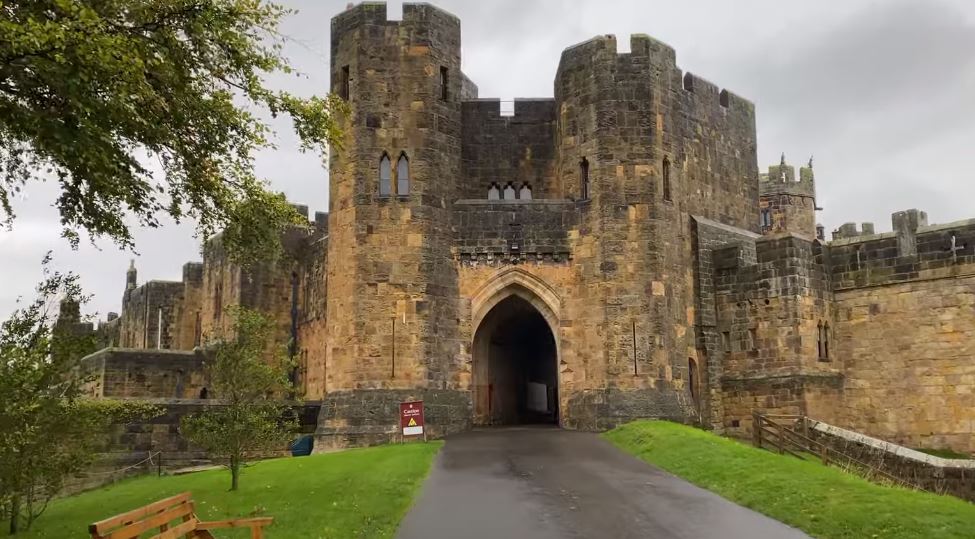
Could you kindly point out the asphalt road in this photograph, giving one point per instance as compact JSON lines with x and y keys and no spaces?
{"x":542,"y":483}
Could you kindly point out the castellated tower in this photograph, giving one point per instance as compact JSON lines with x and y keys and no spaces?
{"x":534,"y":267}
{"x":664,"y":151}
{"x":392,"y":286}
{"x":788,"y":204}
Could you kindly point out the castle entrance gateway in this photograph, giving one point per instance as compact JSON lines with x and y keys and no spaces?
{"x":515,"y":365}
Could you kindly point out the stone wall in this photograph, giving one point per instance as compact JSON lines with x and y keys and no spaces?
{"x":770,"y":318}
{"x":127,"y":447}
{"x":360,"y":418}
{"x":149,"y":317}
{"x":189,"y":323}
{"x":904,"y":329}
{"x":144,"y":374}
{"x":710,"y":236}
{"x":518,"y":149}
{"x":312,"y":341}
{"x":514,"y":229}
{"x":943,"y":476}
{"x":908,"y":350}
{"x":871,"y":331}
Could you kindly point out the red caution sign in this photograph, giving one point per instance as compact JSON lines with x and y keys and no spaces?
{"x":411,"y":418}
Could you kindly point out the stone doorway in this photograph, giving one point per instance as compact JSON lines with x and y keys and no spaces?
{"x":515,"y":366}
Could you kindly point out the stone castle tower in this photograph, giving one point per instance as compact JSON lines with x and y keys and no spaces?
{"x":606,"y":254}
{"x":787,"y":203}
{"x":393,"y":185}
{"x":476,"y":258}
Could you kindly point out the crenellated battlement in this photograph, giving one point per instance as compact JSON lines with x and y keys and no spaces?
{"x":524,"y":107}
{"x":914,"y":250}
{"x":643,"y":46}
{"x":781,"y":179}
{"x":377,"y":13}
{"x":850,"y":230}
{"x":640,"y":45}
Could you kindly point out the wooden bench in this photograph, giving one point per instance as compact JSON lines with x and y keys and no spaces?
{"x":161,"y":516}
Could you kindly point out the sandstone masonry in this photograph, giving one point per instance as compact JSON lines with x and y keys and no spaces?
{"x":618,"y":239}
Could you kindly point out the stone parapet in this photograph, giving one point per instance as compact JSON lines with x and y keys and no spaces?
{"x":364,"y":417}
{"x":603,"y":409}
{"x":936,"y":474}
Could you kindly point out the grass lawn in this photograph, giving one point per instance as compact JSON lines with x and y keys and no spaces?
{"x":945,"y":453}
{"x":824,"y":502}
{"x":356,"y":493}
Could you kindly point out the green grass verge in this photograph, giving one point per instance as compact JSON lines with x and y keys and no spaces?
{"x":824,"y":502}
{"x":945,"y":453}
{"x":356,"y":493}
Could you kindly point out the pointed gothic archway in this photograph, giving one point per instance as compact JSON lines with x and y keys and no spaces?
{"x":515,"y":351}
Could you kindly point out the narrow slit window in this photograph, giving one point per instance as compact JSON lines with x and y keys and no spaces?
{"x":494,"y":192}
{"x":444,"y":83}
{"x":526,"y":192}
{"x":819,"y":340}
{"x":752,"y":339}
{"x":692,"y":377}
{"x":726,"y":341}
{"x":584,"y":178}
{"x":403,"y":175}
{"x":509,"y":192}
{"x":344,"y":83}
{"x":218,"y":301}
{"x":666,"y":176}
{"x":385,"y":177}
{"x":826,"y":341}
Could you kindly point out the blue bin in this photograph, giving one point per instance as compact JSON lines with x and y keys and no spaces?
{"x":302,"y":446}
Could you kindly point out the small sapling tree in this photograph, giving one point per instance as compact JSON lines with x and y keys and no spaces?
{"x":248,"y":414}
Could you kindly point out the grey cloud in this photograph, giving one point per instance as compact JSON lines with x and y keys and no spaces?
{"x":880,"y":92}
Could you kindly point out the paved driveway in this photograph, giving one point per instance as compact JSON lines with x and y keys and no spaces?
{"x":542,"y":483}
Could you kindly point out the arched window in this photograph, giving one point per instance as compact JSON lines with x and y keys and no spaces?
{"x":584,"y":178}
{"x":509,"y":192}
{"x":666,"y":175}
{"x":822,"y":340}
{"x":526,"y":192}
{"x":385,"y":177}
{"x":494,"y":192}
{"x":402,"y":175}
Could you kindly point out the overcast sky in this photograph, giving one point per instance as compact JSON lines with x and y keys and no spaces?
{"x":882,"y":93}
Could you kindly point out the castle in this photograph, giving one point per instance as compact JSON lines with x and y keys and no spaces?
{"x":607,"y":254}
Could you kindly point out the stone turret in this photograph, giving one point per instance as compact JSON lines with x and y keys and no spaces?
{"x":392,"y":287}
{"x":131,"y":277}
{"x":788,"y":204}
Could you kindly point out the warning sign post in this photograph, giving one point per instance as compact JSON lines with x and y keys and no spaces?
{"x":411,"y":418}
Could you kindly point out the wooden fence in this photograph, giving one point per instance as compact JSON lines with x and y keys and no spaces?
{"x":791,"y":434}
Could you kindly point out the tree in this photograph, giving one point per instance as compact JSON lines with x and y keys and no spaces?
{"x":248,"y":381}
{"x":92,"y":91}
{"x":47,"y":431}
